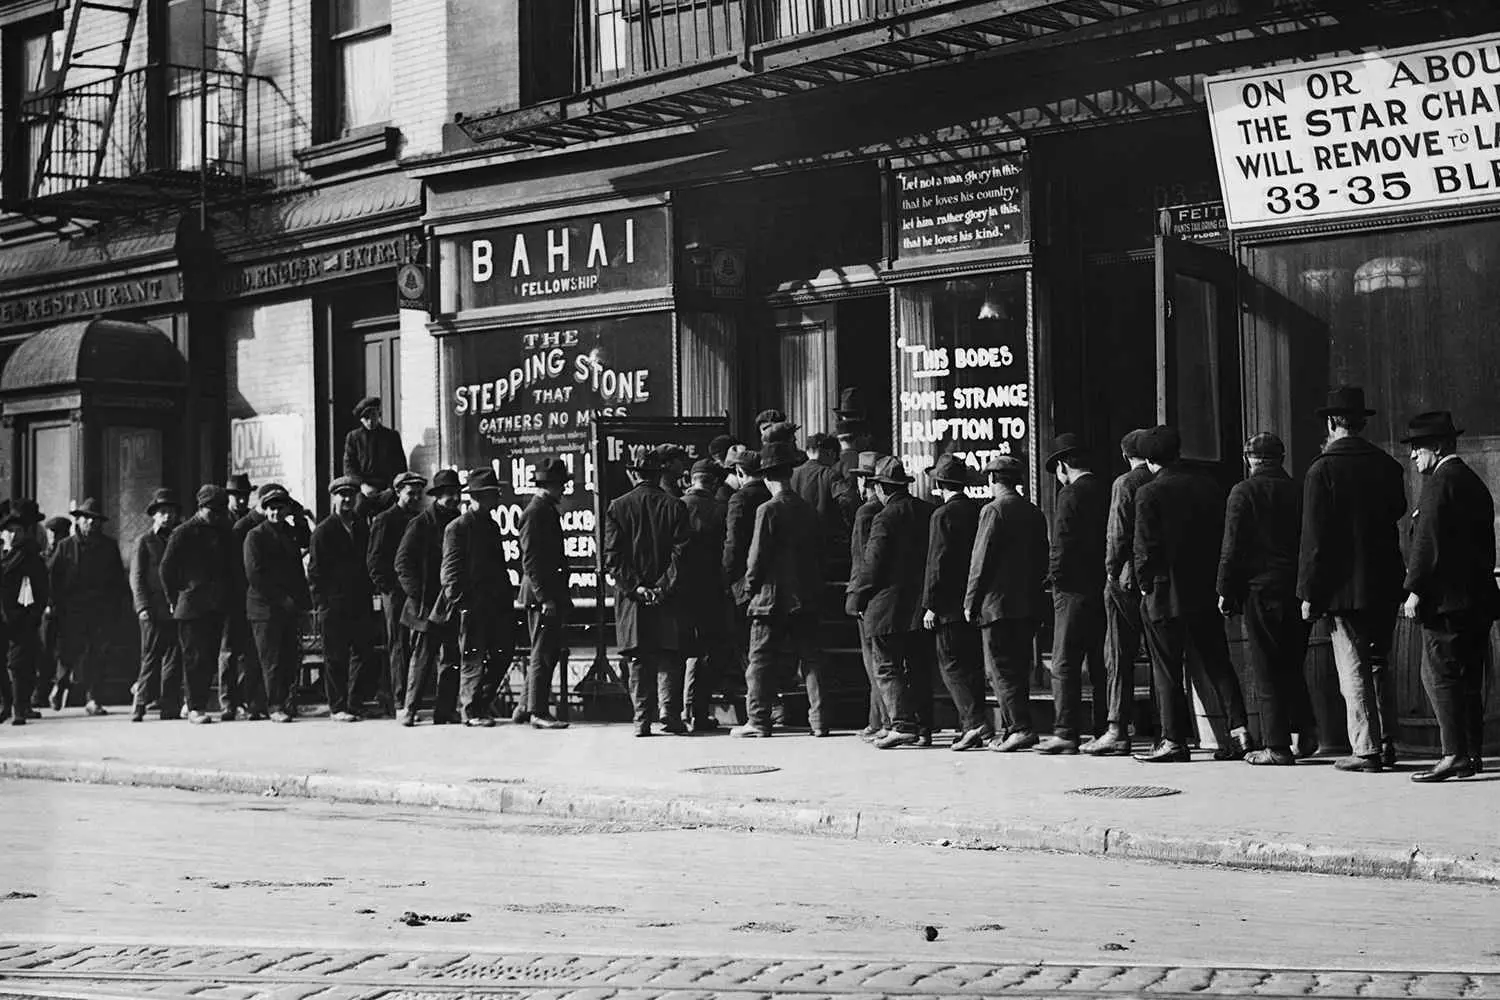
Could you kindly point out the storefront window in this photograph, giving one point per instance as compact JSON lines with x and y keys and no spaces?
{"x":963,"y":371}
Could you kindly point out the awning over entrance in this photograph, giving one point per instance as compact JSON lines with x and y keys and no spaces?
{"x":94,"y":353}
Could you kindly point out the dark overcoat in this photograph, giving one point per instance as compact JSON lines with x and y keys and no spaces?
{"x":890,"y":582}
{"x":739,"y":528}
{"x":1262,"y":525}
{"x":385,"y":538}
{"x":1179,"y":526}
{"x":198,"y":570}
{"x":1078,"y":529}
{"x":374,"y":454}
{"x":23,"y":562}
{"x":337,"y":575}
{"x":275,"y":584}
{"x":544,"y":564}
{"x":419,"y":562}
{"x":703,"y":584}
{"x":474,"y":573}
{"x":784,"y":574}
{"x":950,"y":543}
{"x":645,"y":533}
{"x":87,"y":577}
{"x":1119,"y":535}
{"x":1451,"y":560}
{"x":145,"y":576}
{"x":859,"y":536}
{"x":1350,"y":552}
{"x":827,"y":491}
{"x":1008,"y":570}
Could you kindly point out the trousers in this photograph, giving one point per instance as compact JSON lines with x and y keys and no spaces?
{"x":1077,"y":638}
{"x":654,"y":690}
{"x":549,"y":653}
{"x":1453,"y":648}
{"x":161,"y":667}
{"x":903,"y":668}
{"x":278,"y":646}
{"x":1361,"y":652}
{"x":1009,"y":654}
{"x":21,"y":641}
{"x":398,"y":646}
{"x":779,"y":646}
{"x":961,"y":665}
{"x":1200,"y":636}
{"x":485,"y":647}
{"x":83,"y":643}
{"x":348,"y":650}
{"x":235,"y":668}
{"x":1276,"y":644}
{"x":713,"y":660}
{"x":1122,"y":643}
{"x":434,"y":650}
{"x":199,"y":639}
{"x":879,"y":718}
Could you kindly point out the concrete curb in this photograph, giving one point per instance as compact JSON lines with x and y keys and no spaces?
{"x":780,"y":817}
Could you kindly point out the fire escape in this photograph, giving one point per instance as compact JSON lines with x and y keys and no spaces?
{"x":120,"y":137}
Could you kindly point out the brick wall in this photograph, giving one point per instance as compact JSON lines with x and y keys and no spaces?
{"x":484,"y":58}
{"x":419,"y":65}
{"x":270,"y":375}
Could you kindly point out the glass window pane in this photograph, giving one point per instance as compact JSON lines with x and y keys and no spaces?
{"x":1194,"y":367}
{"x":132,"y":474}
{"x":365,"y":67}
{"x":37,"y":75}
{"x":357,"y":15}
{"x":52,"y":468}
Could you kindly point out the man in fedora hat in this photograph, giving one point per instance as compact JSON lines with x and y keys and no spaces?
{"x":705,"y":597}
{"x":386,"y":531}
{"x":237,"y":648}
{"x":784,"y":579}
{"x":950,"y":543}
{"x":765,"y":418}
{"x":1122,"y":603}
{"x":859,"y":536}
{"x":739,"y":528}
{"x":23,"y":595}
{"x":89,"y":588}
{"x":888,"y":597}
{"x":239,"y":489}
{"x":1450,"y":584}
{"x":197,"y":571}
{"x":1005,"y":597}
{"x":276,"y":598}
{"x":1350,"y":570}
{"x":1258,"y":576}
{"x":1077,"y":573}
{"x":1179,"y":527}
{"x":544,"y":593}
{"x":339,"y":583}
{"x":723,"y":450}
{"x":49,"y":665}
{"x":674,"y":462}
{"x":373,"y":453}
{"x":161,"y":659}
{"x":434,"y":625}
{"x":645,"y":533}
{"x":476,"y":584}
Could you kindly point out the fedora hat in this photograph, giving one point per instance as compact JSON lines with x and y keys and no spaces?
{"x":1063,"y":446}
{"x":162,"y":498}
{"x":482,"y":481}
{"x":90,"y":508}
{"x":238,"y":483}
{"x":952,"y":470}
{"x":553,"y":470}
{"x":1432,"y":424}
{"x":868,"y":460}
{"x":769,"y":417}
{"x":851,"y":404}
{"x":643,"y":459}
{"x":28,"y":509}
{"x":1346,"y":399}
{"x":443,"y":479}
{"x":781,"y":455}
{"x":892,"y":472}
{"x":14,"y":520}
{"x":849,"y":425}
{"x":748,"y":462}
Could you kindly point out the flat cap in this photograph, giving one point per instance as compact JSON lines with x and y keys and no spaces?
{"x":1161,"y":445}
{"x":408,"y":479}
{"x":1265,"y":445}
{"x":770,"y":417}
{"x":343,"y":484}
{"x":366,"y":405}
{"x":210,"y":495}
{"x":1007,"y":469}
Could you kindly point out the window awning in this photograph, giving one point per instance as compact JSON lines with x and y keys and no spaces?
{"x":93,"y":353}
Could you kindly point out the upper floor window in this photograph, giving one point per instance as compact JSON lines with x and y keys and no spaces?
{"x":30,"y":75}
{"x":359,"y":64}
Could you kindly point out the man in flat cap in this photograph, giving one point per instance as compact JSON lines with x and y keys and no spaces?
{"x":1122,"y":603}
{"x":739,"y":528}
{"x":339,"y":583}
{"x":1077,"y":573}
{"x":386,"y":531}
{"x":197,"y":570}
{"x":161,"y":657}
{"x":432,"y":620}
{"x":645,"y":533}
{"x":950,"y":543}
{"x":859,"y":536}
{"x":544,"y":593}
{"x":476,"y":584}
{"x":237,"y":647}
{"x":373,"y":453}
{"x":1350,"y":569}
{"x":1258,"y":576}
{"x":276,"y":598}
{"x":1006,"y":595}
{"x":705,"y":597}
{"x":89,"y":590}
{"x":1450,"y":584}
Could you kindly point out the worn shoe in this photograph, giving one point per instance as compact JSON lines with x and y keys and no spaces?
{"x":94,"y":708}
{"x":168,"y":716}
{"x":479,"y":722}
{"x":1269,"y":756}
{"x":547,"y":722}
{"x":819,"y":734}
{"x":1459,"y":769}
{"x":407,"y":719}
{"x":257,"y":716}
{"x":870,"y":733}
{"x":1367,"y":765}
{"x":1110,"y":744}
{"x":706,"y":725}
{"x":200,"y":718}
{"x":1476,"y":764}
{"x":924,"y":737}
{"x":895,"y":738}
{"x":674,"y":728}
{"x":19,"y":720}
{"x":1054,"y":745}
{"x":520,"y":716}
{"x":1388,"y":755}
{"x":641,"y":731}
{"x":1166,"y":752}
{"x":1234,"y":750}
{"x":229,"y":715}
{"x":138,"y":714}
{"x":4,"y":713}
{"x":58,"y":696}
{"x":1014,"y":742}
{"x":444,"y":720}
{"x":750,"y":732}
{"x":973,"y":739}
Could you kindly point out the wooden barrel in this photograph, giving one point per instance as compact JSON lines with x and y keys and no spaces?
{"x":1417,"y":728}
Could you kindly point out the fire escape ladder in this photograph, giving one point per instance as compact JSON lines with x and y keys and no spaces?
{"x":225,"y":91}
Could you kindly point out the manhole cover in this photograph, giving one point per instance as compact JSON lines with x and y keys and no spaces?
{"x":1126,"y":791}
{"x":733,"y":769}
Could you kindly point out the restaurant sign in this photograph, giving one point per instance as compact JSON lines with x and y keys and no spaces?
{"x":981,"y":204}
{"x":1395,"y":130}
{"x":90,"y":300}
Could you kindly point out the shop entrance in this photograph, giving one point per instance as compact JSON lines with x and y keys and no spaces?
{"x":814,"y":352}
{"x":363,"y":358}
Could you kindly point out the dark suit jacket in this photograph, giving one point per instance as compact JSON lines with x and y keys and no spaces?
{"x":827,"y":492}
{"x":273,"y":573}
{"x":475,"y":574}
{"x":739,"y":528}
{"x":645,"y":533}
{"x":890,"y":585}
{"x":385,"y":538}
{"x":703,"y":581}
{"x":419,"y":561}
{"x":545,"y":576}
{"x":198,"y":570}
{"x":23,"y":562}
{"x":86,"y":577}
{"x":336,"y":572}
{"x":1451,"y":555}
{"x":1077,"y":565}
{"x":1119,"y":544}
{"x":784,"y":575}
{"x":1008,"y":570}
{"x":1350,"y":555}
{"x":950,"y":543}
{"x":1179,"y":525}
{"x":374,"y":454}
{"x":145,"y":576}
{"x":1262,"y":524}
{"x":859,"y":536}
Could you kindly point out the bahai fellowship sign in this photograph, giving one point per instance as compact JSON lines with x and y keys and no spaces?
{"x":1399,"y":130}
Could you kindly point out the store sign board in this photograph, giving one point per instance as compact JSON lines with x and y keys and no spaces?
{"x":1199,"y":222}
{"x":543,"y":262}
{"x":90,"y":300}
{"x":296,"y":270}
{"x":969,"y":205}
{"x":1398,"y":130}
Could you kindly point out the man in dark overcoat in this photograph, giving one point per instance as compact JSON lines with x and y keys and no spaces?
{"x":859,"y":535}
{"x":373,"y":453}
{"x":645,"y":533}
{"x":197,"y":570}
{"x":888,"y":597}
{"x":237,"y":647}
{"x":1450,"y":584}
{"x":1350,"y":569}
{"x":432,"y":620}
{"x":1006,"y":598}
{"x":1258,"y":576}
{"x":822,"y":485}
{"x":739,"y":528}
{"x":705,"y":597}
{"x":386,"y":531}
{"x":1179,"y":526}
{"x":784,"y":577}
{"x":950,"y":543}
{"x":276,"y":598}
{"x":723,"y":449}
{"x":544,"y":594}
{"x":23,"y":595}
{"x":339,"y":583}
{"x":1077,"y":574}
{"x":89,"y":590}
{"x":161,"y":657}
{"x":476,"y":584}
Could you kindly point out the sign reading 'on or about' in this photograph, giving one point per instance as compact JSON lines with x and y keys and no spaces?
{"x":1399,"y":130}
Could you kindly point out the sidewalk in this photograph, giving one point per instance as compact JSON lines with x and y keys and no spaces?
{"x":1308,"y":818}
